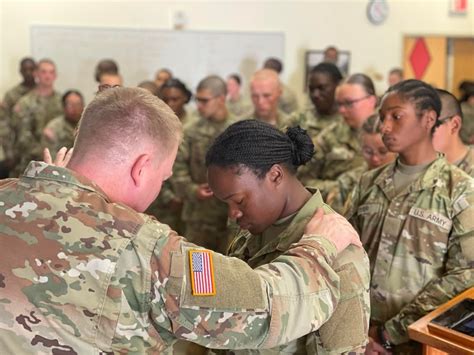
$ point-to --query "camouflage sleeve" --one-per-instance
(182, 181)
(259, 308)
(458, 275)
(351, 205)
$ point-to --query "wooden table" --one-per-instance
(434, 343)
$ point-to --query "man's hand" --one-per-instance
(204, 192)
(333, 227)
(62, 157)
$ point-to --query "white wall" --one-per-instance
(306, 24)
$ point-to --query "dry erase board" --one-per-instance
(191, 55)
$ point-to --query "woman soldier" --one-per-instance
(251, 167)
(415, 219)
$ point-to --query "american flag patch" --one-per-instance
(202, 273)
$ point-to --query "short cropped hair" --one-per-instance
(215, 84)
(119, 119)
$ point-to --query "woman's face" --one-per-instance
(321, 90)
(254, 203)
(175, 99)
(374, 151)
(402, 129)
(354, 104)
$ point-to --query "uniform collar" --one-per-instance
(41, 171)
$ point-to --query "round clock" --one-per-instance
(377, 11)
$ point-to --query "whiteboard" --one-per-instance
(191, 55)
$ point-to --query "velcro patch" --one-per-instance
(202, 273)
(432, 217)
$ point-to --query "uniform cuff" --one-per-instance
(397, 333)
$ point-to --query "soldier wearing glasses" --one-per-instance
(338, 148)
(204, 216)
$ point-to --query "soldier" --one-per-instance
(415, 220)
(251, 167)
(322, 83)
(109, 80)
(205, 217)
(162, 76)
(447, 139)
(287, 102)
(27, 69)
(236, 103)
(337, 146)
(60, 131)
(395, 75)
(82, 271)
(167, 208)
(150, 86)
(108, 66)
(375, 154)
(467, 106)
(32, 112)
(265, 91)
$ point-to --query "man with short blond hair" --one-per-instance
(265, 91)
(83, 271)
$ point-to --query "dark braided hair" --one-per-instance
(423, 95)
(257, 145)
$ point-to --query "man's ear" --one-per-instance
(138, 168)
(456, 124)
(275, 174)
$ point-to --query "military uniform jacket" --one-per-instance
(467, 163)
(346, 331)
(420, 242)
(63, 134)
(337, 150)
(80, 274)
(13, 95)
(190, 170)
(240, 107)
(282, 119)
(313, 122)
(287, 102)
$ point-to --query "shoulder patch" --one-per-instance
(202, 273)
(432, 217)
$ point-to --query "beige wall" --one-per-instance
(306, 24)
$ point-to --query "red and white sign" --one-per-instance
(458, 7)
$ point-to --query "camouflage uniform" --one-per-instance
(63, 134)
(345, 184)
(347, 330)
(188, 118)
(337, 150)
(282, 119)
(467, 128)
(312, 121)
(13, 95)
(240, 107)
(30, 115)
(82, 275)
(287, 102)
(205, 220)
(467, 163)
(420, 241)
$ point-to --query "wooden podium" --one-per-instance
(441, 340)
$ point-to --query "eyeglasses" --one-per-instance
(203, 100)
(350, 103)
(103, 87)
(445, 119)
(369, 153)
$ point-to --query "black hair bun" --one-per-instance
(302, 147)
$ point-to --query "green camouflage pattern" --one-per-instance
(337, 150)
(282, 119)
(287, 102)
(205, 220)
(240, 108)
(347, 329)
(30, 115)
(62, 134)
(13, 95)
(312, 121)
(467, 163)
(467, 128)
(188, 118)
(346, 182)
(420, 241)
(82, 275)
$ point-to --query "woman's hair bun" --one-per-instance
(302, 147)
